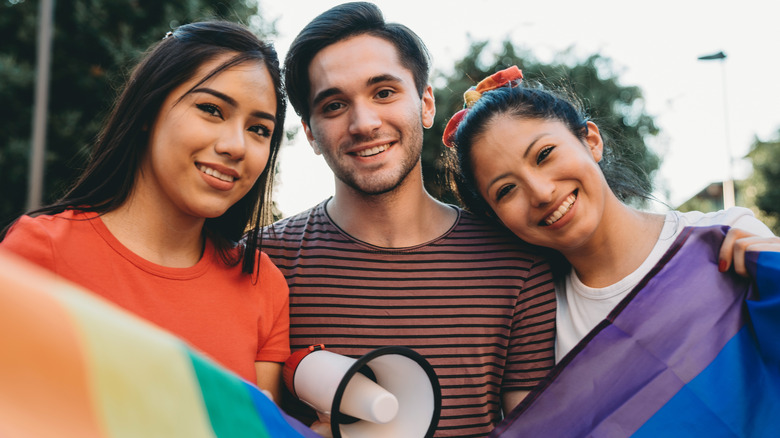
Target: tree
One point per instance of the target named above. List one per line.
(94, 44)
(765, 181)
(617, 109)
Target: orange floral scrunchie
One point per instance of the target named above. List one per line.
(511, 76)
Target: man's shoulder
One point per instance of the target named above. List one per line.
(312, 225)
(487, 233)
(297, 222)
(481, 227)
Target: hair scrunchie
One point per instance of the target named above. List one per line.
(511, 76)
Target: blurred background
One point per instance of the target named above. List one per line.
(686, 90)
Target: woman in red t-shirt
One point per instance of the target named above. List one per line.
(182, 167)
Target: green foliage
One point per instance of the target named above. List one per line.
(765, 180)
(617, 109)
(94, 45)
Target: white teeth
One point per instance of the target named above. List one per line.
(372, 151)
(564, 207)
(216, 174)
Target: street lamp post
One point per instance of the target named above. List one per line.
(728, 183)
(38, 149)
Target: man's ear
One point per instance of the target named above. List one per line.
(594, 141)
(428, 107)
(310, 137)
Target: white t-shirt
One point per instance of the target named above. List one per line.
(580, 308)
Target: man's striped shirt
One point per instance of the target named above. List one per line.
(476, 303)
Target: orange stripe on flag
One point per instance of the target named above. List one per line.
(43, 382)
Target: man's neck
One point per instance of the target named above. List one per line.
(407, 216)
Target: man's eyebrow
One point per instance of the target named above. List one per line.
(382, 78)
(232, 102)
(324, 94)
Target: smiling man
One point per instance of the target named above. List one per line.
(384, 263)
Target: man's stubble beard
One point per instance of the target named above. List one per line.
(376, 185)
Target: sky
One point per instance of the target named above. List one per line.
(705, 109)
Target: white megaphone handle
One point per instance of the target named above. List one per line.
(319, 374)
(404, 400)
(368, 401)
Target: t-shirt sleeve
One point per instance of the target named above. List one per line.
(532, 343)
(29, 238)
(744, 219)
(274, 327)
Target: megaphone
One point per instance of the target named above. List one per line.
(389, 392)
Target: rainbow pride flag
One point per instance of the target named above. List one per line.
(75, 365)
(686, 354)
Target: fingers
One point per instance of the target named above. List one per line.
(322, 428)
(737, 243)
(727, 248)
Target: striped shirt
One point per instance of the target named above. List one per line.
(474, 302)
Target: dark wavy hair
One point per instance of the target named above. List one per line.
(339, 23)
(530, 102)
(121, 145)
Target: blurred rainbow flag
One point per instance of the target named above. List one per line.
(75, 365)
(686, 354)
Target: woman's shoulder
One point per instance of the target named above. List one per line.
(268, 269)
(736, 217)
(38, 237)
(49, 224)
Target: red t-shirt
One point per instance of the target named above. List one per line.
(214, 307)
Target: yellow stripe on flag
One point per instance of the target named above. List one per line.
(143, 381)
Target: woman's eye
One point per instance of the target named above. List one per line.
(544, 153)
(503, 191)
(210, 109)
(261, 130)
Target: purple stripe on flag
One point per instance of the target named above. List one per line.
(660, 337)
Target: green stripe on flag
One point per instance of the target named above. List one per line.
(230, 407)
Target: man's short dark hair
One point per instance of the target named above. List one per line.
(337, 24)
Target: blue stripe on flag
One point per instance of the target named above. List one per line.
(710, 405)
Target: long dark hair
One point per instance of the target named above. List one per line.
(121, 145)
